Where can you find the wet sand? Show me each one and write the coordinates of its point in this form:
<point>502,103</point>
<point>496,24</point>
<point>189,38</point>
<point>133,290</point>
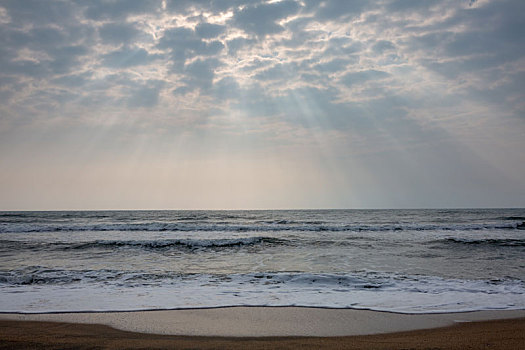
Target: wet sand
<point>501,334</point>
<point>267,321</point>
<point>262,328</point>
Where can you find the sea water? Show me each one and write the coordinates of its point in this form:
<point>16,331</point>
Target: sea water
<point>412,261</point>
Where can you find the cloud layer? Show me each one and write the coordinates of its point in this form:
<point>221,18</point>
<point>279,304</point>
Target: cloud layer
<point>349,83</point>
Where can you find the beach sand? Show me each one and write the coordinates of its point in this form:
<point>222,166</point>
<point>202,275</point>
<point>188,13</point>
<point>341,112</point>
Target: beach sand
<point>264,327</point>
<point>267,321</point>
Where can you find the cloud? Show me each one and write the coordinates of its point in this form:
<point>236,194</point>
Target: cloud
<point>360,77</point>
<point>334,65</point>
<point>237,44</point>
<point>180,39</point>
<point>38,13</point>
<point>73,80</point>
<point>261,19</point>
<point>226,88</point>
<point>118,33</point>
<point>214,6</point>
<point>337,9</point>
<point>278,71</point>
<point>365,76</point>
<point>487,30</point>
<point>209,30</point>
<point>200,73</point>
<point>342,46</point>
<point>409,6</point>
<point>382,46</point>
<point>144,94</point>
<point>66,59</point>
<point>183,44</point>
<point>128,57</point>
<point>119,9</point>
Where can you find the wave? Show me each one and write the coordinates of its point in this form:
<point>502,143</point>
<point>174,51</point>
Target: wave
<point>501,242</point>
<point>38,275</point>
<point>145,244</point>
<point>281,225</point>
<point>41,275</point>
<point>104,290</point>
<point>292,222</point>
<point>188,243</point>
<point>14,215</point>
<point>519,218</point>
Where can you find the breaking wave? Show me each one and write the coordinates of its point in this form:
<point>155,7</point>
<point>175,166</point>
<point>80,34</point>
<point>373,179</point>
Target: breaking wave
<point>40,275</point>
<point>147,244</point>
<point>503,242</point>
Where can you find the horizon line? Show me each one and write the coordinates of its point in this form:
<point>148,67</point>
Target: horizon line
<point>266,209</point>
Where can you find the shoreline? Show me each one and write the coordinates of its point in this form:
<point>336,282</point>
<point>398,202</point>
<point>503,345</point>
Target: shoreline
<point>254,321</point>
<point>52,312</point>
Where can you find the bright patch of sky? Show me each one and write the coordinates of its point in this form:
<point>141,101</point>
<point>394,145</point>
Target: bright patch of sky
<point>262,104</point>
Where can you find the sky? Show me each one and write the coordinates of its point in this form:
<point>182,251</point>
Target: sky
<point>215,104</point>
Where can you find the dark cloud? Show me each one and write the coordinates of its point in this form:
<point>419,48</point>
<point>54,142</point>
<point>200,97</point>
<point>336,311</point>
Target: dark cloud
<point>183,43</point>
<point>73,80</point>
<point>23,68</point>
<point>342,46</point>
<point>45,39</point>
<point>144,94</point>
<point>118,33</point>
<point>237,44</point>
<point>337,9</point>
<point>66,59</point>
<point>185,6</point>
<point>494,29</point>
<point>507,94</point>
<point>335,65</point>
<point>182,90</point>
<point>226,88</point>
<point>50,52</point>
<point>42,39</point>
<point>480,55</point>
<point>180,39</point>
<point>257,65</point>
<point>128,57</point>
<point>210,48</point>
<point>57,43</point>
<point>261,19</point>
<point>360,77</point>
<point>408,6</point>
<point>200,73</point>
<point>39,12</point>
<point>382,46</point>
<point>300,36</point>
<point>209,30</point>
<point>119,9</point>
<point>278,72</point>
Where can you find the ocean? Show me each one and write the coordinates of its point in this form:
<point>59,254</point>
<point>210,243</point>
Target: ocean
<point>409,261</point>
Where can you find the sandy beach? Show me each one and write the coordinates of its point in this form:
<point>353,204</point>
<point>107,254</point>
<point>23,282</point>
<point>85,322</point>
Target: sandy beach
<point>263,327</point>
